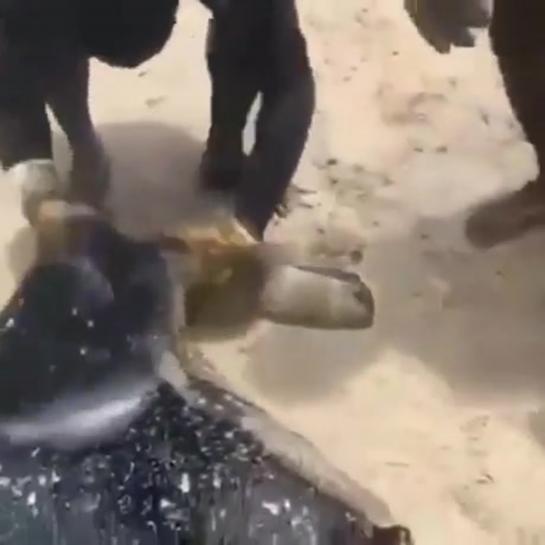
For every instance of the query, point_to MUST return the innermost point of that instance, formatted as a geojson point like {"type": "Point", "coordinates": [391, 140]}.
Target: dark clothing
{"type": "Point", "coordinates": [518, 40]}
{"type": "Point", "coordinates": [256, 48]}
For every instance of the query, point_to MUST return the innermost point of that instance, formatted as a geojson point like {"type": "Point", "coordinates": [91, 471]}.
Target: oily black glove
{"type": "Point", "coordinates": [447, 23]}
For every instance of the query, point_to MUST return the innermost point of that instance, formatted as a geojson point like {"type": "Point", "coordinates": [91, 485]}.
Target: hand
{"type": "Point", "coordinates": [447, 23]}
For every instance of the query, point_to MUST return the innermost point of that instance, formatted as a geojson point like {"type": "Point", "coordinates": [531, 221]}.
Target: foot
{"type": "Point", "coordinates": [39, 182]}
{"type": "Point", "coordinates": [509, 217]}
{"type": "Point", "coordinates": [294, 198]}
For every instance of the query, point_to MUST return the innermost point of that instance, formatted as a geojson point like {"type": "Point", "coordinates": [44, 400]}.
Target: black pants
{"type": "Point", "coordinates": [255, 47]}
{"type": "Point", "coordinates": [518, 39]}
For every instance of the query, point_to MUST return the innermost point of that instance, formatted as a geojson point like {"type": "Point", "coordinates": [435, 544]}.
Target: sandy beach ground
{"type": "Point", "coordinates": [439, 409]}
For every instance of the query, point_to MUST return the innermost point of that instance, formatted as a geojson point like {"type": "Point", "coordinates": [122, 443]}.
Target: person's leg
{"type": "Point", "coordinates": [233, 64]}
{"type": "Point", "coordinates": [518, 41]}
{"type": "Point", "coordinates": [24, 129]}
{"type": "Point", "coordinates": [519, 44]}
{"type": "Point", "coordinates": [284, 119]}
{"type": "Point", "coordinates": [25, 136]}
{"type": "Point", "coordinates": [66, 84]}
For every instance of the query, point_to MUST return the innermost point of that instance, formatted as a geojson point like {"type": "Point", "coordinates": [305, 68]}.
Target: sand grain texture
{"type": "Point", "coordinates": [438, 409]}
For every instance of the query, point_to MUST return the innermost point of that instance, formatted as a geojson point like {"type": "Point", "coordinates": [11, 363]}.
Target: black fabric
{"type": "Point", "coordinates": [125, 32]}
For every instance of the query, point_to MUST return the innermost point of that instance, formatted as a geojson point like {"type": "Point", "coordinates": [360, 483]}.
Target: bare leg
{"type": "Point", "coordinates": [67, 85]}
{"type": "Point", "coordinates": [519, 43]}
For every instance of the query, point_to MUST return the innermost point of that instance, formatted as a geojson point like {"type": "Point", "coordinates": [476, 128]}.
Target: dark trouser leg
{"type": "Point", "coordinates": [519, 43]}
{"type": "Point", "coordinates": [25, 137]}
{"type": "Point", "coordinates": [284, 119]}
{"type": "Point", "coordinates": [66, 84]}
{"type": "Point", "coordinates": [524, 79]}
{"type": "Point", "coordinates": [234, 71]}
{"type": "Point", "coordinates": [258, 46]}
{"type": "Point", "coordinates": [518, 40]}
{"type": "Point", "coordinates": [24, 128]}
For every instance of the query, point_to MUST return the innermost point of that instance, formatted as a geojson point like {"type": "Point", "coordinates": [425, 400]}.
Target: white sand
{"type": "Point", "coordinates": [437, 409]}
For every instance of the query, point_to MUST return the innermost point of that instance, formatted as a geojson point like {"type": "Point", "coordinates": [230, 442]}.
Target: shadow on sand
{"type": "Point", "coordinates": [153, 181]}
{"type": "Point", "coordinates": [474, 318]}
